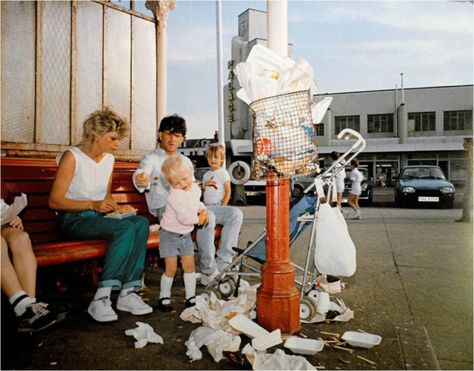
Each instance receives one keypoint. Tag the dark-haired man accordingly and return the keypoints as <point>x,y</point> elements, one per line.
<point>148,177</point>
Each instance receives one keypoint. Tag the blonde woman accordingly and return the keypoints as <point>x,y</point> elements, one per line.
<point>81,194</point>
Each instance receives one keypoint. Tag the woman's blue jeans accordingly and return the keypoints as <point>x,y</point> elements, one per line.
<point>125,258</point>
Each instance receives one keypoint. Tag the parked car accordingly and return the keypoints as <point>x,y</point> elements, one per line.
<point>423,185</point>
<point>367,187</point>
<point>302,182</point>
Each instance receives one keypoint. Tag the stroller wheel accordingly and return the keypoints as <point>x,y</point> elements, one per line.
<point>307,309</point>
<point>206,294</point>
<point>226,288</point>
<point>313,294</point>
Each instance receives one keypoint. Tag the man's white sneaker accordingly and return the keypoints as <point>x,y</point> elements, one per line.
<point>101,310</point>
<point>207,279</point>
<point>134,304</point>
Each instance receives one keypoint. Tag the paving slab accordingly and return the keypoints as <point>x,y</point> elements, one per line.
<point>413,287</point>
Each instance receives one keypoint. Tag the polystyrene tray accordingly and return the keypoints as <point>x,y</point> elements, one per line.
<point>361,339</point>
<point>120,216</point>
<point>303,346</point>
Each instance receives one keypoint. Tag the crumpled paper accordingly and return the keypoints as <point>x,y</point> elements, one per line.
<point>8,212</point>
<point>144,334</point>
<point>276,361</point>
<point>217,341</point>
<point>265,74</point>
<point>214,314</point>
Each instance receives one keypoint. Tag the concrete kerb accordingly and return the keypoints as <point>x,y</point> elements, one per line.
<point>415,344</point>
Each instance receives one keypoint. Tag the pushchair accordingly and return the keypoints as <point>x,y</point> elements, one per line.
<point>227,282</point>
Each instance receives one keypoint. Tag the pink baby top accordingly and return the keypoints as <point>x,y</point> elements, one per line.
<point>182,208</point>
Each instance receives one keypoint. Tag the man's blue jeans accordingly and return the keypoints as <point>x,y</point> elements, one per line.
<point>125,258</point>
<point>306,204</point>
<point>231,218</point>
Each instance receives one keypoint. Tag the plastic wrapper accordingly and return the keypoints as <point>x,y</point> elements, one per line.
<point>144,334</point>
<point>217,341</point>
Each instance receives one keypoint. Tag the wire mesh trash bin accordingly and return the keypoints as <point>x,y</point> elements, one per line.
<point>283,135</point>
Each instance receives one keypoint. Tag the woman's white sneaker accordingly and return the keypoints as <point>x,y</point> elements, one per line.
<point>134,304</point>
<point>101,310</point>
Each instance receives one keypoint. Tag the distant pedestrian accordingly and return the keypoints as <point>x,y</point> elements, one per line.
<point>217,191</point>
<point>467,200</point>
<point>183,211</point>
<point>339,178</point>
<point>356,189</point>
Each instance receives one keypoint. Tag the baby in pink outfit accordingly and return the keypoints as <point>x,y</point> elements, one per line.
<point>183,212</point>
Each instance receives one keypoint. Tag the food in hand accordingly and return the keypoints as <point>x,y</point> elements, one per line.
<point>124,209</point>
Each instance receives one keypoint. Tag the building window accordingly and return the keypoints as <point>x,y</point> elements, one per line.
<point>320,130</point>
<point>457,120</point>
<point>423,121</point>
<point>382,123</point>
<point>349,122</point>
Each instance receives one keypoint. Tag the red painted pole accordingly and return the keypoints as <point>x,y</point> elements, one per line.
<point>278,300</point>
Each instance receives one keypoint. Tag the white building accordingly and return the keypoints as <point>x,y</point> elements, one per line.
<point>438,118</point>
<point>419,126</point>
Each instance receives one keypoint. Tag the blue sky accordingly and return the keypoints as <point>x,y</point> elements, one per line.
<point>352,46</point>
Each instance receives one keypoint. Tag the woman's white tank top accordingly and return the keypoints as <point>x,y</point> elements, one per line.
<point>91,179</point>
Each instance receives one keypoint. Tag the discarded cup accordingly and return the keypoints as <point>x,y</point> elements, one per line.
<point>303,346</point>
<point>361,339</point>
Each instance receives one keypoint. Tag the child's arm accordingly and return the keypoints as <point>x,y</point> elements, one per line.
<point>227,191</point>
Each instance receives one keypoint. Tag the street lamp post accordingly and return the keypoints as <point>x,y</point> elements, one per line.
<point>278,300</point>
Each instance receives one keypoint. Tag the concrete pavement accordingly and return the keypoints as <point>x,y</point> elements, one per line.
<point>413,286</point>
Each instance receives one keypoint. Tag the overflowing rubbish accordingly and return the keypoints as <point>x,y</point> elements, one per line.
<point>263,342</point>
<point>215,313</point>
<point>266,74</point>
<point>279,91</point>
<point>144,334</point>
<point>217,341</point>
<point>279,360</point>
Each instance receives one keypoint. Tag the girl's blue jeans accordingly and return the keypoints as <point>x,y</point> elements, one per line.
<point>125,258</point>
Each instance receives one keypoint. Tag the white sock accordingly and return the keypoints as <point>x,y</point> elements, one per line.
<point>190,284</point>
<point>165,286</point>
<point>21,301</point>
<point>103,292</point>
<point>127,291</point>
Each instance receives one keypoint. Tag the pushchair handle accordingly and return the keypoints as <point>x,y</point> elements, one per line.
<point>347,157</point>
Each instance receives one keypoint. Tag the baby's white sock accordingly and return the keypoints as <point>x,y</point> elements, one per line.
<point>165,287</point>
<point>190,284</point>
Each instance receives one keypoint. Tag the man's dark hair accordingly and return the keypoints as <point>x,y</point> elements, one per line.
<point>173,124</point>
<point>334,155</point>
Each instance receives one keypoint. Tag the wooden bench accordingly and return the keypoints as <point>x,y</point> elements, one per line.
<point>34,177</point>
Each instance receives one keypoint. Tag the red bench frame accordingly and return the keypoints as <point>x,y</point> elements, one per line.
<point>34,177</point>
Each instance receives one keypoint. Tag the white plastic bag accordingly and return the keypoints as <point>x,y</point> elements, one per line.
<point>335,252</point>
